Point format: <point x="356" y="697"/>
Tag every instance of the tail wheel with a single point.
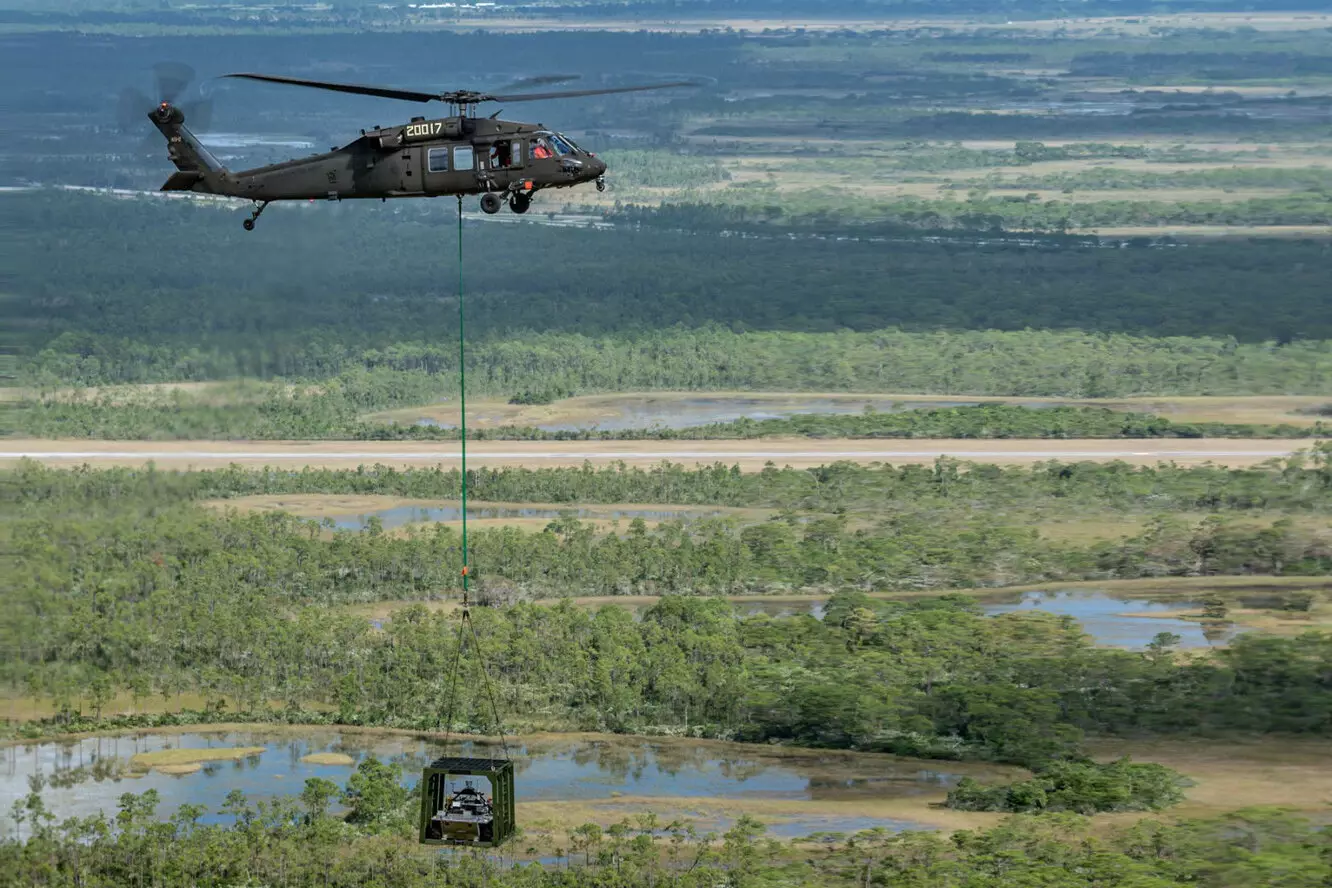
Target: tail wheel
<point x="249" y="224"/>
<point x="490" y="203"/>
<point x="520" y="203"/>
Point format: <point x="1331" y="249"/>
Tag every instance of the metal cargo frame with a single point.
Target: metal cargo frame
<point x="434" y="789"/>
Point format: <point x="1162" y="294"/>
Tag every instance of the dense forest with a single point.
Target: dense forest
<point x="1024" y="363"/>
<point x="376" y="283"/>
<point x="121" y="582"/>
<point x="295" y="841"/>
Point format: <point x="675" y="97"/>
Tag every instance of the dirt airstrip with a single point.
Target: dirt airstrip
<point x="748" y="454"/>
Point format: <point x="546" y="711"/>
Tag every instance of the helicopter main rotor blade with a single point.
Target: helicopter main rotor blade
<point x="540" y="80"/>
<point x="573" y="94"/>
<point x="382" y="92"/>
<point x="465" y="97"/>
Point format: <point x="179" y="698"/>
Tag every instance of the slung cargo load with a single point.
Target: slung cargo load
<point x="454" y="811"/>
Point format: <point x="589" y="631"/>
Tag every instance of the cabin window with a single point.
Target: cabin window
<point x="516" y="154"/>
<point x="439" y="160"/>
<point x="501" y="155"/>
<point x="462" y="158"/>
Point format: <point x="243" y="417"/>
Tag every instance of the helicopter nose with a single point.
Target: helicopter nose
<point x="596" y="165"/>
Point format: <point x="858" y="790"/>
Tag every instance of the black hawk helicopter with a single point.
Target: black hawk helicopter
<point x="502" y="160"/>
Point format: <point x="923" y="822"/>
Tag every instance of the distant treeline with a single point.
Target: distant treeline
<point x="1302" y="484"/>
<point x="1024" y="363"/>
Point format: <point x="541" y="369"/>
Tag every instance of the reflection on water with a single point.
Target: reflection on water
<point x="681" y="413"/>
<point x="1102" y="617"/>
<point x="400" y="515"/>
<point x="549" y="770"/>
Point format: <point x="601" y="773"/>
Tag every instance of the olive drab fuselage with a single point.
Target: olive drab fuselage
<point x="499" y="159"/>
<point x="429" y="158"/>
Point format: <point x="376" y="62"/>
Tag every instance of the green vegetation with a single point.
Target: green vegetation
<point x="297" y="842"/>
<point x="287" y="415"/>
<point x="541" y="396"/>
<point x="1081" y="787"/>
<point x="1024" y="363"/>
<point x="119" y="581"/>
<point x="90" y="310"/>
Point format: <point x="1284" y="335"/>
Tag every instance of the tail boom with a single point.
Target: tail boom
<point x="196" y="168"/>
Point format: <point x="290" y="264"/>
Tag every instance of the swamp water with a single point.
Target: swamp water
<point x="398" y="516"/>
<point x="1105" y="618"/>
<point x="683" y="413"/>
<point x="603" y="774"/>
<point x="1108" y="619"/>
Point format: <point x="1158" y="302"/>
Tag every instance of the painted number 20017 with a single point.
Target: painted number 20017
<point x="416" y="130"/>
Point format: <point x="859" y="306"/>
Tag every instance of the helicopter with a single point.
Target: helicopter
<point x="503" y="161"/>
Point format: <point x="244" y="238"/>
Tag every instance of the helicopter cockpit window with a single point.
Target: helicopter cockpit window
<point x="439" y="160"/>
<point x="562" y="145"/>
<point x="541" y="148"/>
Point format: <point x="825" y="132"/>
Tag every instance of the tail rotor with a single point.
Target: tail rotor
<point x="171" y="81"/>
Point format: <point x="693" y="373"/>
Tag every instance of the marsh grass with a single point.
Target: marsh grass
<point x="187" y="758"/>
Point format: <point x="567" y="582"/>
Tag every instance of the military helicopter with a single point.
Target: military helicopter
<point x="501" y="160"/>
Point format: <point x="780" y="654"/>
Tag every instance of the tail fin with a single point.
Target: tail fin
<point x="198" y="169"/>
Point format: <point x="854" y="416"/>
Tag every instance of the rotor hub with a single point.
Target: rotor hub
<point x="166" y="112"/>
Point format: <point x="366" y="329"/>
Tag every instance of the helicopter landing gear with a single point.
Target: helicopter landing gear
<point x="490" y="203"/>
<point x="259" y="208"/>
<point x="519" y="203"/>
<point x="601" y="183"/>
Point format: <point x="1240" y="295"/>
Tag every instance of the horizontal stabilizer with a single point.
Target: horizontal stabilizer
<point x="182" y="181"/>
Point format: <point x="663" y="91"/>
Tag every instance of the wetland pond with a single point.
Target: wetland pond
<point x="1111" y="621"/>
<point x="398" y="516"/>
<point x="607" y="778"/>
<point x="624" y="414"/>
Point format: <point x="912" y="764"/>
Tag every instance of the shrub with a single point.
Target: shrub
<point x="1082" y="787"/>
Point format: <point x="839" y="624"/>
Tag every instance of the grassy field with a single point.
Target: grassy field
<point x="184" y="761"/>
<point x="1234" y="773"/>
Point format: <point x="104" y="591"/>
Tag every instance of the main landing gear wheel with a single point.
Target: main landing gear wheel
<point x="519" y="203"/>
<point x="490" y="203"/>
<point x="259" y="208"/>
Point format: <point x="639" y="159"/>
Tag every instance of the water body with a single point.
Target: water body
<point x="1102" y="617"/>
<point x="401" y="515"/>
<point x="582" y="770"/>
<point x="683" y="413"/>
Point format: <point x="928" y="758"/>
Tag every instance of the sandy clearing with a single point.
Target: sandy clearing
<point x="751" y="455"/>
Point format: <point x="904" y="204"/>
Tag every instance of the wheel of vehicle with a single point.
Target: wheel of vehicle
<point x="490" y="203"/>
<point x="520" y="203"/>
<point x="249" y="224"/>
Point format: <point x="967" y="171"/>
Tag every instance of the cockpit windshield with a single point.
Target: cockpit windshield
<point x="562" y="144"/>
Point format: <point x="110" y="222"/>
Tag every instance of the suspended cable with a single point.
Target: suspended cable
<point x="466" y="622"/>
<point x="462" y="401"/>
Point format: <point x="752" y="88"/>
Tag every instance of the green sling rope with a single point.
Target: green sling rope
<point x="462" y="399"/>
<point x="466" y="622"/>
